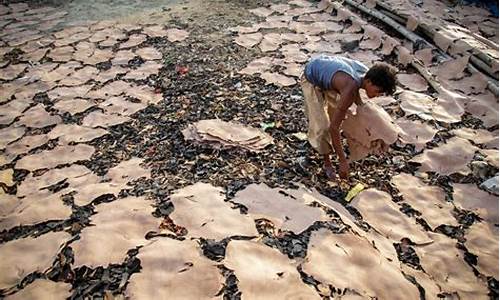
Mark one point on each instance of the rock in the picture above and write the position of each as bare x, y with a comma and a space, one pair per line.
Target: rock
350, 46
491, 185
479, 169
422, 175
398, 160
297, 248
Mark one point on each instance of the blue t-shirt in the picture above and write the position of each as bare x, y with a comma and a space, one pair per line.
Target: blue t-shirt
320, 70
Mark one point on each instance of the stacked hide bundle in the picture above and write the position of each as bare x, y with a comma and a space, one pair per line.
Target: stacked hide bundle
227, 134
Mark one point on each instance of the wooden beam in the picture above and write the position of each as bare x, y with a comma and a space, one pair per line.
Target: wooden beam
419, 41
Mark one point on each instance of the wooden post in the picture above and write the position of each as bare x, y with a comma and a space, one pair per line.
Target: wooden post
430, 32
419, 41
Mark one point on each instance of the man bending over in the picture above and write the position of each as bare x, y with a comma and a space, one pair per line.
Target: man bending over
331, 85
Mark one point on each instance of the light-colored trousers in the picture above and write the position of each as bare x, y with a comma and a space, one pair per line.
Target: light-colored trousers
319, 108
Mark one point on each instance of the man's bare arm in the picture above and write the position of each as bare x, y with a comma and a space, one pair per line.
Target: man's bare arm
346, 100
348, 90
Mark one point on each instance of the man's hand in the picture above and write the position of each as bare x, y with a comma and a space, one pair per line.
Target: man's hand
348, 94
344, 169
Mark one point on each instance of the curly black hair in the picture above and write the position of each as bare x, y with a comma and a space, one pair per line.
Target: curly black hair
383, 76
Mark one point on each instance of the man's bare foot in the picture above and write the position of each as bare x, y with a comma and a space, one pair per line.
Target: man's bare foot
329, 170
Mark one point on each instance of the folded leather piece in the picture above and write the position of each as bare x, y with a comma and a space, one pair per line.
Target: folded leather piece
370, 131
